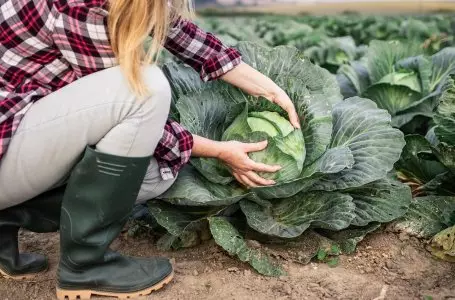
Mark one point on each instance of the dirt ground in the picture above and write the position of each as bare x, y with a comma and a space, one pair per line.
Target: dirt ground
385, 266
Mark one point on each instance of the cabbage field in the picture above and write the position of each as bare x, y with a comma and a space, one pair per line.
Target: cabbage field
376, 100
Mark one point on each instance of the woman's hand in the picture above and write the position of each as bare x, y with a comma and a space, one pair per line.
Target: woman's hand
235, 155
256, 84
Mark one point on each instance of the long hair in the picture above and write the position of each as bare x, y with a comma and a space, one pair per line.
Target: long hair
131, 23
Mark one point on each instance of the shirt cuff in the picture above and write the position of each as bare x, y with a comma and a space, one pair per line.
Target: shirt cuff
220, 64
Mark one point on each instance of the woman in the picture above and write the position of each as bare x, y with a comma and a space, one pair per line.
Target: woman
84, 131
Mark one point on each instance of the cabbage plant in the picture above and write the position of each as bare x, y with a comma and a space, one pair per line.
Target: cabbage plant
335, 169
400, 78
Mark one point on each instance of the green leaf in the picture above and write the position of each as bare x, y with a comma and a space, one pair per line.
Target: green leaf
353, 78
290, 217
174, 220
382, 56
333, 262
446, 155
293, 145
332, 161
443, 66
315, 114
182, 78
205, 114
363, 128
273, 155
230, 240
239, 127
287, 61
166, 242
412, 167
381, 201
193, 189
322, 254
409, 80
348, 239
393, 98
282, 125
445, 116
420, 64
427, 216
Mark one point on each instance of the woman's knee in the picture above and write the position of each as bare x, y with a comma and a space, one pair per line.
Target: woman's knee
158, 87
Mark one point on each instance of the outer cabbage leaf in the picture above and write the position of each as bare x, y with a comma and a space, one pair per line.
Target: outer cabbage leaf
207, 116
375, 145
353, 78
393, 98
446, 155
288, 61
193, 189
290, 217
422, 66
427, 216
315, 113
443, 65
230, 240
381, 201
383, 55
445, 116
414, 167
174, 219
340, 50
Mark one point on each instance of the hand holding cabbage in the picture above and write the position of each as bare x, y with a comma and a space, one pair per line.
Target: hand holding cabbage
234, 154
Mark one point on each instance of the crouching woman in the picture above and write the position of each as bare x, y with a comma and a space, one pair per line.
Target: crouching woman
85, 134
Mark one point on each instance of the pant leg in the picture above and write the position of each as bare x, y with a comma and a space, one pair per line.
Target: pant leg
153, 185
98, 109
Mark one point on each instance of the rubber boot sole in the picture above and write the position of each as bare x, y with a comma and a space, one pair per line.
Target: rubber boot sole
23, 276
87, 294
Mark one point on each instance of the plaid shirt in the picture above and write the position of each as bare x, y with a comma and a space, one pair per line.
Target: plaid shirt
47, 44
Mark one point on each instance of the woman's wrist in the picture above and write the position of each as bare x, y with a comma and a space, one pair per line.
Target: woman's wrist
250, 80
203, 147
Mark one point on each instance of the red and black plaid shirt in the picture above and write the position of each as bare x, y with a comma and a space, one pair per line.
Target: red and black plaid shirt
47, 44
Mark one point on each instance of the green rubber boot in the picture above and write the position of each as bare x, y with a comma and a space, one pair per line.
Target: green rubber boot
40, 214
99, 198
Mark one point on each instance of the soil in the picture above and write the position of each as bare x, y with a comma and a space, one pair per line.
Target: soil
385, 266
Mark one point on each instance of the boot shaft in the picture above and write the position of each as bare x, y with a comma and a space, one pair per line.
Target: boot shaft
99, 198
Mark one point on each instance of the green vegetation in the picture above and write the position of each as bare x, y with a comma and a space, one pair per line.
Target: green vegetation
376, 99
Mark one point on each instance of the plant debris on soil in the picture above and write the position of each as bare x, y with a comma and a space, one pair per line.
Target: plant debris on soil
385, 266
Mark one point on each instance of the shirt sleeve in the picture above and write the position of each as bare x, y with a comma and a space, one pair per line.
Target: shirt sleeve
201, 50
174, 149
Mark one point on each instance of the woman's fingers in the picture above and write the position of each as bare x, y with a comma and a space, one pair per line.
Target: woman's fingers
289, 107
293, 117
248, 181
254, 147
237, 177
255, 178
261, 167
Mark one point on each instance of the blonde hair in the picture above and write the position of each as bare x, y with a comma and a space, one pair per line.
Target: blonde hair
131, 23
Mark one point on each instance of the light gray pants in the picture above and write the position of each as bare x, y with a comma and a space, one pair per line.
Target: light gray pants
98, 109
